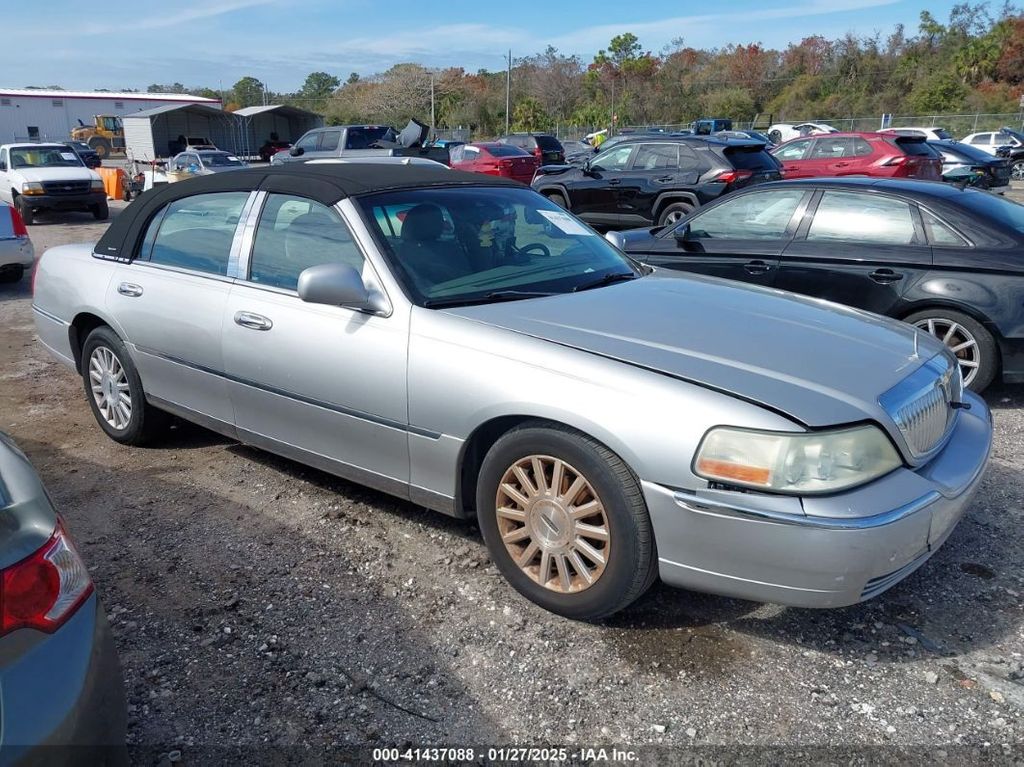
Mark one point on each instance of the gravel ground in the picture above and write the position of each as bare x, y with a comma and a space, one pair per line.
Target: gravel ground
258, 602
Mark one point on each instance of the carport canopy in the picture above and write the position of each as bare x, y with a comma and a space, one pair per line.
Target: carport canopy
276, 122
158, 133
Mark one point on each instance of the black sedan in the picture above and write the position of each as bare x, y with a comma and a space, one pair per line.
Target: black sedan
948, 260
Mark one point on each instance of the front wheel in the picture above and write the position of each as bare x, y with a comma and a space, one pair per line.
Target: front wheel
565, 522
1017, 171
27, 214
971, 344
100, 211
671, 214
114, 390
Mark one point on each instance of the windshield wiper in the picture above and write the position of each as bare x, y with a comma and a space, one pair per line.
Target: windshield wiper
492, 297
608, 279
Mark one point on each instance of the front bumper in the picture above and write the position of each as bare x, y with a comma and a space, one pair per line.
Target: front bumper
65, 201
63, 698
826, 551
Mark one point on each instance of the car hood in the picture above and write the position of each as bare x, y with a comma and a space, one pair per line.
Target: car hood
80, 173
819, 363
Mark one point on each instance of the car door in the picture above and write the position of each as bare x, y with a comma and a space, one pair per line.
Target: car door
740, 238
653, 169
792, 156
862, 249
170, 301
323, 384
593, 194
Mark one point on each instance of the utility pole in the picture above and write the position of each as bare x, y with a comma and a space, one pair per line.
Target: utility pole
433, 120
508, 92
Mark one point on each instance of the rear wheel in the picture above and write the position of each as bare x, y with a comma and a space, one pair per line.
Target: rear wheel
671, 214
13, 274
565, 522
114, 390
972, 345
101, 146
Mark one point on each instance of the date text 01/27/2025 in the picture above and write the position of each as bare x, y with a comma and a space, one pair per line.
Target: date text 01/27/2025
503, 754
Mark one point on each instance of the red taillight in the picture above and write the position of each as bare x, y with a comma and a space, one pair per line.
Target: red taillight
732, 176
43, 590
538, 153
18, 223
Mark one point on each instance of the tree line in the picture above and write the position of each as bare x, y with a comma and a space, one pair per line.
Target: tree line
974, 62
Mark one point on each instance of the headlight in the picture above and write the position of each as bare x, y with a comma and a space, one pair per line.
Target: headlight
32, 187
97, 185
815, 462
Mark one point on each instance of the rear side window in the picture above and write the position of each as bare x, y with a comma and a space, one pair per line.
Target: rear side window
743, 158
503, 150
294, 234
940, 234
656, 157
862, 218
982, 138
861, 148
195, 232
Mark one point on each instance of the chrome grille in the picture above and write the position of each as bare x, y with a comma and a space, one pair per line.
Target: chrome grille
922, 404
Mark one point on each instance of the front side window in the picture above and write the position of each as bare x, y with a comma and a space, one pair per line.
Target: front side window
755, 216
329, 140
656, 157
613, 159
862, 218
793, 151
474, 245
195, 232
294, 234
982, 138
308, 142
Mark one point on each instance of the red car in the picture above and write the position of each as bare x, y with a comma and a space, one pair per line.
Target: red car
495, 159
883, 155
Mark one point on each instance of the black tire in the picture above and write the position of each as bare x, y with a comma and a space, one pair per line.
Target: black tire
100, 211
988, 351
775, 136
126, 194
27, 214
101, 146
1017, 170
145, 422
671, 214
558, 199
12, 275
631, 567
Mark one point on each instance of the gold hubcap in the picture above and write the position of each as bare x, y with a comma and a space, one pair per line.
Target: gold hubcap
553, 524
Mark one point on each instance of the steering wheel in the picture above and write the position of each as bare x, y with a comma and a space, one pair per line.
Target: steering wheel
538, 246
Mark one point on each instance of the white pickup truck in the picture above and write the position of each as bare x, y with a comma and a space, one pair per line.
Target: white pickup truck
35, 177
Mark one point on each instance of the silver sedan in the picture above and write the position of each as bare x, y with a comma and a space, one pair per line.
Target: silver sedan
461, 342
16, 252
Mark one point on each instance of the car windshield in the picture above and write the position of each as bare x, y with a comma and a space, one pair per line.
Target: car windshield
477, 244
220, 160
994, 206
44, 157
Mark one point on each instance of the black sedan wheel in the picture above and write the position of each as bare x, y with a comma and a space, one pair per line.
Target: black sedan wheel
565, 521
973, 345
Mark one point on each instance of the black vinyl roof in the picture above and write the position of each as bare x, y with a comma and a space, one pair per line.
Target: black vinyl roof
327, 183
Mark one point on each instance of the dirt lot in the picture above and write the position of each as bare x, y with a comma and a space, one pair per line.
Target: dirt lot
259, 602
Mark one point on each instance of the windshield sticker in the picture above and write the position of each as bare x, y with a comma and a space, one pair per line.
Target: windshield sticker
232, 158
68, 156
565, 222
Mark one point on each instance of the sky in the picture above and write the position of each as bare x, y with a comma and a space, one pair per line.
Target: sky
132, 43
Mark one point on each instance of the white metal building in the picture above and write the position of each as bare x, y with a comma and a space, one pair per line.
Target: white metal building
44, 115
163, 131
277, 122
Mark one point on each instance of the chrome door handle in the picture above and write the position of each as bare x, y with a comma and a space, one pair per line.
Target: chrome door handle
253, 321
129, 289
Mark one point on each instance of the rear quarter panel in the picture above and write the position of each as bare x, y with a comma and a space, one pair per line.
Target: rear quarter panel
69, 282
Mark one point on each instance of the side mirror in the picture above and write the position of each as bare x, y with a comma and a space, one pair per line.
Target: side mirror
586, 168
616, 239
682, 234
296, 151
338, 285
